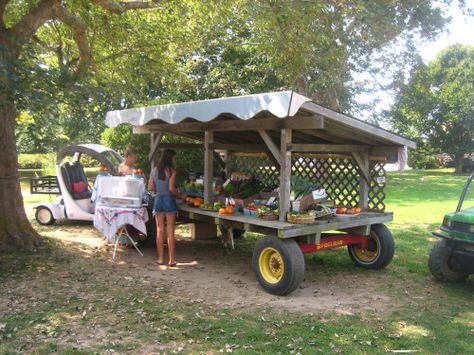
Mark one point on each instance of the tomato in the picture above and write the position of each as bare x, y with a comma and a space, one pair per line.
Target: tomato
222, 210
230, 210
341, 210
357, 210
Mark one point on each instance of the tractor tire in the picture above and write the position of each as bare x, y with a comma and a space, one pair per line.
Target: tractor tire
379, 252
439, 264
44, 216
278, 264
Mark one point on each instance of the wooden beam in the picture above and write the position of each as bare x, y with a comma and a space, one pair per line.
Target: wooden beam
358, 124
240, 147
272, 147
327, 148
155, 142
182, 145
299, 122
285, 173
362, 160
217, 146
208, 165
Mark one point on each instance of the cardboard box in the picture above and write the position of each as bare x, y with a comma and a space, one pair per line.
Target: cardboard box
303, 203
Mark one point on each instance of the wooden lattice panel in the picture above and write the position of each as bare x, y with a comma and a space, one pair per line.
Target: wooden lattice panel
377, 185
339, 175
259, 166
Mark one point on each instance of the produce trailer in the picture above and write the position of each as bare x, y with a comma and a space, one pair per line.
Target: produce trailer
274, 137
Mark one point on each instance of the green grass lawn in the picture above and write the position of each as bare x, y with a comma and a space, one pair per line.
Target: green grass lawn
428, 317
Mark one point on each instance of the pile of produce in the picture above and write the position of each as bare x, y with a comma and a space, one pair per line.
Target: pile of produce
307, 217
193, 188
302, 186
348, 211
268, 213
243, 188
227, 210
194, 201
212, 206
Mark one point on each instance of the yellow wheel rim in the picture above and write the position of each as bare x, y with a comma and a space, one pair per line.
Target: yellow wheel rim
369, 254
271, 265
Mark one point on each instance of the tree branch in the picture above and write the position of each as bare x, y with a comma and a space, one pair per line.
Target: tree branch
78, 28
3, 4
35, 18
122, 6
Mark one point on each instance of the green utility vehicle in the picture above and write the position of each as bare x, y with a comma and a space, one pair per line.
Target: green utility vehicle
452, 259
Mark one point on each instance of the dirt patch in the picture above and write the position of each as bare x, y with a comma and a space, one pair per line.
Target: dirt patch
208, 272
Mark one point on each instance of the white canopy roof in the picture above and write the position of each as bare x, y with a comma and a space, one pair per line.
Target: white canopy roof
279, 104
340, 128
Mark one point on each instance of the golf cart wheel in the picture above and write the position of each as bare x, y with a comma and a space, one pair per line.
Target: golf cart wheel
44, 216
379, 251
441, 264
278, 265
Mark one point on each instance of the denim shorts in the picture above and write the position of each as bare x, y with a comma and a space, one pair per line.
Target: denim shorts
165, 204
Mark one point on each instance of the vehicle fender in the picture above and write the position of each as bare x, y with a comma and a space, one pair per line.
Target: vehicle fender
56, 209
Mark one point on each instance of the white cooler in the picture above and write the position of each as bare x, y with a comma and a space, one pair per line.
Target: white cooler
120, 191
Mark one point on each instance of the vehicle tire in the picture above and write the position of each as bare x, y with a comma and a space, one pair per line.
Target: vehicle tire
44, 216
440, 261
278, 264
237, 233
379, 252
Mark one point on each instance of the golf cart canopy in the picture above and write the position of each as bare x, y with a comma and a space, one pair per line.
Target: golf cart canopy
105, 155
237, 123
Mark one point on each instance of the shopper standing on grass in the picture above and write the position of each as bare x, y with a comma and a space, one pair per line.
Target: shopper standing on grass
162, 182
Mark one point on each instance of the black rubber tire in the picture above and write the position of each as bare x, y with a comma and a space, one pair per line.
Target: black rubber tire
48, 222
293, 261
380, 236
438, 264
237, 233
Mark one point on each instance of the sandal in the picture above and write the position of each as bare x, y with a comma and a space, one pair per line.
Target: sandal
159, 263
172, 264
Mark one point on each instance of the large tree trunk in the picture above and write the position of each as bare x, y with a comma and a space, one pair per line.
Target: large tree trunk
16, 231
458, 161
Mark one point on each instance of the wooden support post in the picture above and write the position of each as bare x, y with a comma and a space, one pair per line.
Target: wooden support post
208, 165
155, 142
362, 160
285, 173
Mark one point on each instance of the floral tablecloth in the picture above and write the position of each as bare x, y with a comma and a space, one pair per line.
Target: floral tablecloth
108, 220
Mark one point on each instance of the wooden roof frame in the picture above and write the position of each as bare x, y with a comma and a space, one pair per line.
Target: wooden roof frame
278, 124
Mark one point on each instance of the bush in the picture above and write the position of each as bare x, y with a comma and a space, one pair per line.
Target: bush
36, 161
423, 159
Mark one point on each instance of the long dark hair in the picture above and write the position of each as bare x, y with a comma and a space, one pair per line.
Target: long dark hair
165, 163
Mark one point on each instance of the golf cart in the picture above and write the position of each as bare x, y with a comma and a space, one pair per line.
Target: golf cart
452, 259
70, 183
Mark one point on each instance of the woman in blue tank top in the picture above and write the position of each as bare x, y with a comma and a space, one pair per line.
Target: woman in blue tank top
162, 182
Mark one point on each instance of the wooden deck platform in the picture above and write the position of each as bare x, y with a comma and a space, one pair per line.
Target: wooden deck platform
282, 229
